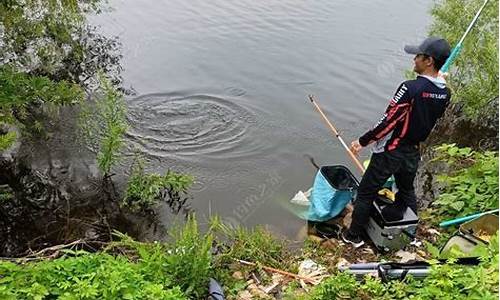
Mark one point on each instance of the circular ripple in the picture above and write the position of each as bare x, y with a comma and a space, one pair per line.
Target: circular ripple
234, 91
166, 125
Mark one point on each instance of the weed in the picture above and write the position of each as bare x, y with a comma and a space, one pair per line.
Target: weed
146, 190
189, 261
445, 281
341, 286
473, 186
104, 124
255, 245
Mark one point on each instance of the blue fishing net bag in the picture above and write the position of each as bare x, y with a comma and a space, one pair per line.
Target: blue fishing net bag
334, 187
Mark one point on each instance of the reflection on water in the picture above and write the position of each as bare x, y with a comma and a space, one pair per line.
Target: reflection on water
223, 90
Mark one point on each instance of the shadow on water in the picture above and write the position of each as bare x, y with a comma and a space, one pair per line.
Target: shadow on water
58, 195
51, 191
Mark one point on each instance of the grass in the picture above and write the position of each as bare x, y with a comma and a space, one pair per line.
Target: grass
181, 268
7, 139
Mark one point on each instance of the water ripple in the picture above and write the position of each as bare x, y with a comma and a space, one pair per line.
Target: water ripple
170, 125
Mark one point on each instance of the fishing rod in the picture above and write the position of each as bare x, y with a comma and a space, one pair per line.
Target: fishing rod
337, 134
459, 46
466, 218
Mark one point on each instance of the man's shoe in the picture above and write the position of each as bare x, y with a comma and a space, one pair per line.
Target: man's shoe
355, 240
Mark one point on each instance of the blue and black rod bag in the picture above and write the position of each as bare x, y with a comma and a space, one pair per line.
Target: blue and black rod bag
334, 187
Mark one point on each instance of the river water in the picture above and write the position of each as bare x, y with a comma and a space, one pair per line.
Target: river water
222, 91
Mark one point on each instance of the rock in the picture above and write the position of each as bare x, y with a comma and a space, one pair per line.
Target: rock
238, 275
315, 239
331, 244
342, 263
256, 291
407, 256
244, 295
457, 127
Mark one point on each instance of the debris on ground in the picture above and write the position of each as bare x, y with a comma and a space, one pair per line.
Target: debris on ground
309, 269
433, 231
331, 254
427, 233
405, 256
416, 243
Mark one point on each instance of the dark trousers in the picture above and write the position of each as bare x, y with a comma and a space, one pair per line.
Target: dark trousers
403, 164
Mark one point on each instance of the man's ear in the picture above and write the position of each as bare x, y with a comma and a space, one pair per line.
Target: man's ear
432, 62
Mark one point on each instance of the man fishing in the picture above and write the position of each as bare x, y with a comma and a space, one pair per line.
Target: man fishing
407, 121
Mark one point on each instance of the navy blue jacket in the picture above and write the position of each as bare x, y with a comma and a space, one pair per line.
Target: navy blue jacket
410, 116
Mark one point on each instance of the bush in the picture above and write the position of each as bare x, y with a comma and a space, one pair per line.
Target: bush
22, 95
51, 38
472, 185
124, 269
88, 276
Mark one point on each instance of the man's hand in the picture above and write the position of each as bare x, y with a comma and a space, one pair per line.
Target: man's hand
356, 147
443, 75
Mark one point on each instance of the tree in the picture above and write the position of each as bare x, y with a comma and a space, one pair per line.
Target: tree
474, 76
50, 57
